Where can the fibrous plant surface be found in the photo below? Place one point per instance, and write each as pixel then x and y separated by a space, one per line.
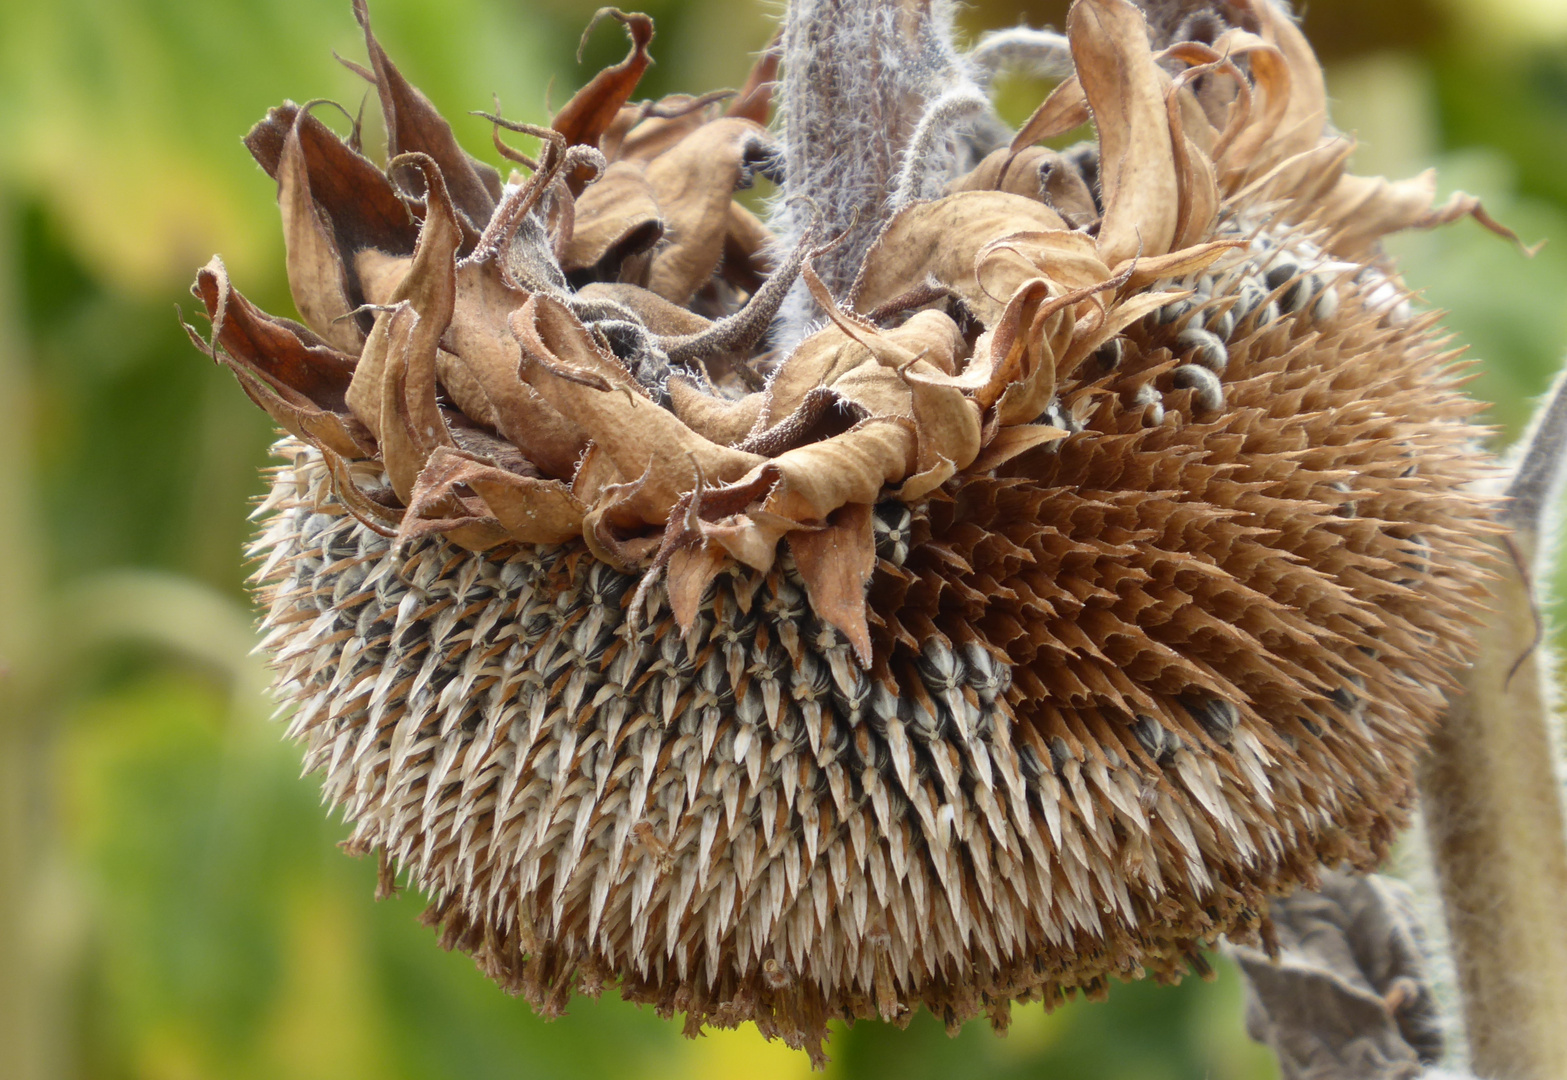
pixel 1078 559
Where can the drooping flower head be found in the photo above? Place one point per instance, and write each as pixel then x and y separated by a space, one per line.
pixel 1079 560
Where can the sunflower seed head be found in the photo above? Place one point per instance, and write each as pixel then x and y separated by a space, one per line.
pixel 1092 574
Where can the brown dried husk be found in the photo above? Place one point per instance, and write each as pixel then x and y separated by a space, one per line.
pixel 961 663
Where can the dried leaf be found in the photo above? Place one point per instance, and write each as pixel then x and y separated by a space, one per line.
pixel 946 422
pixel 1068 194
pixel 1260 144
pixel 617 217
pixel 942 239
pixel 410 423
pixel 1009 442
pixel 836 564
pixel 644 131
pixel 480 340
pixel 814 480
pixel 1194 173
pixel 754 102
pixel 1238 110
pixel 1088 336
pixel 532 511
pixel 1025 397
pixel 414 126
pixel 998 354
pixel 561 361
pixel 1144 272
pixel 549 332
pixel 819 360
pixel 662 318
pixel 381 275
pixel 692 568
pixel 317 278
pixel 411 426
pixel 595 473
pixel 1002 170
pixel 464 390
pixel 694 183
pixel 1301 127
pixel 751 541
pixel 298 379
pixel 436 506
pixel 1066 258
pixel 722 421
pixel 747 258
pixel 1347 993
pixel 1035 172
pixel 1360 210
pixel 373 514
pixel 364 209
pixel 1126 89
pixel 1066 108
pixel 876 390
pixel 1300 181
pixel 363 396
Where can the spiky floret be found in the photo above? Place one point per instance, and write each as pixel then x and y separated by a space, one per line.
pixel 1094 574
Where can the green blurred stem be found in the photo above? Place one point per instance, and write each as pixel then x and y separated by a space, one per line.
pixel 1491 798
pixel 30 1045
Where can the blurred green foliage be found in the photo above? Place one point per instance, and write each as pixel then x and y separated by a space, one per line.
pixel 173 901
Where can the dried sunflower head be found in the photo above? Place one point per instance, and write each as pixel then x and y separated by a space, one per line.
pixel 1081 561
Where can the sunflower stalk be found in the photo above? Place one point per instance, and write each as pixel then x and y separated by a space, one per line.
pixel 872 92
pixel 1491 797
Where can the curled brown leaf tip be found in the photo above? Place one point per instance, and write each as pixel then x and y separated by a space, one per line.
pixel 754 100
pixel 590 113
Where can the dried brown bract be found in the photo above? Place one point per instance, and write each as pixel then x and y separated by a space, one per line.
pixel 1091 573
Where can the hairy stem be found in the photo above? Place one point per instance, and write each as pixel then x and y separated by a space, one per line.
pixel 1491 797
pixel 858 78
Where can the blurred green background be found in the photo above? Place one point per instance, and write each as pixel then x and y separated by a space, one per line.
pixel 172 903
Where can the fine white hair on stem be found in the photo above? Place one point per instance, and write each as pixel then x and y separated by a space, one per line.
pixel 858 79
pixel 1411 864
pixel 922 156
pixel 1537 475
pixel 1491 791
pixel 1044 54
